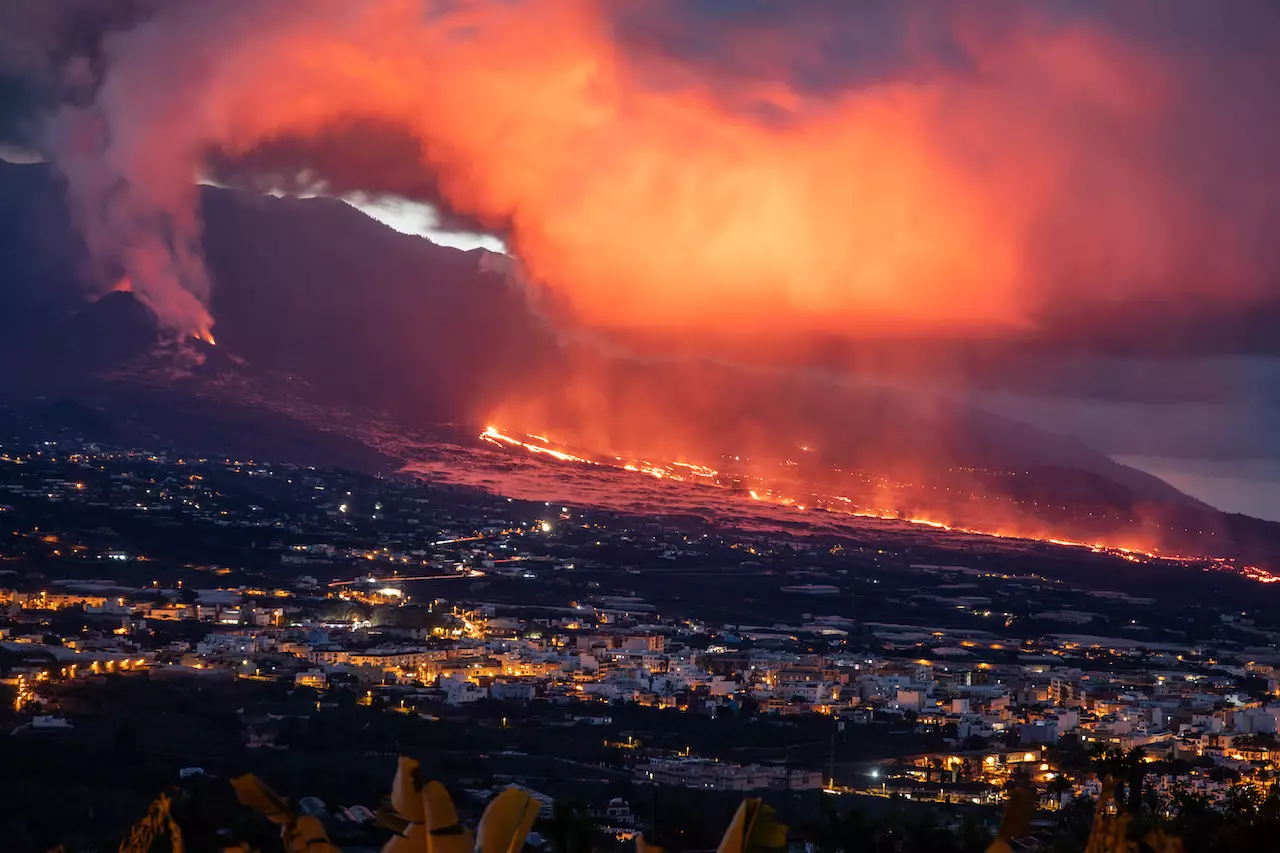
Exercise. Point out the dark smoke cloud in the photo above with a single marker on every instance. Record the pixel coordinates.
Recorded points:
(51, 54)
(1198, 267)
(359, 155)
(1190, 207)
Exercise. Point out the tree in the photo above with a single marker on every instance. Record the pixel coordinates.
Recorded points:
(1072, 826)
(1128, 769)
(1057, 787)
(570, 829)
(1248, 820)
(1135, 771)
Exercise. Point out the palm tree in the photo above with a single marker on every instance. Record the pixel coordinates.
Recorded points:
(1135, 771)
(1128, 770)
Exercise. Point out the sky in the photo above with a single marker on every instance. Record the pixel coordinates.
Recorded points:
(1065, 212)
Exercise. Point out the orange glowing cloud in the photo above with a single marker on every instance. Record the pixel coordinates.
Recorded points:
(661, 202)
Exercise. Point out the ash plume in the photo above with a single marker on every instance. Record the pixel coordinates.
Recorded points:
(1001, 169)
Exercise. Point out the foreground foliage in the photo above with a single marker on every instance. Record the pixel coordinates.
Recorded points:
(422, 818)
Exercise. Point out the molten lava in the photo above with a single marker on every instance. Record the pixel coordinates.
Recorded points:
(775, 493)
(495, 436)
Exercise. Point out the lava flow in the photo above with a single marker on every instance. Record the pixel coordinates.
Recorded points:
(678, 471)
(494, 436)
(777, 494)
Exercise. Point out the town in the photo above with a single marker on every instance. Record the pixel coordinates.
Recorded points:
(615, 659)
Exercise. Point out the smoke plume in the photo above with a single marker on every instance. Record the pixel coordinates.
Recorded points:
(1048, 163)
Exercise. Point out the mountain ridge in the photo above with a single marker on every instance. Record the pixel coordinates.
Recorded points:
(368, 317)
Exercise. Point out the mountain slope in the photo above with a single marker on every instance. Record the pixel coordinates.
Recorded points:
(315, 292)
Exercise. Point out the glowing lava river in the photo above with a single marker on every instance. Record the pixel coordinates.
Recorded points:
(534, 467)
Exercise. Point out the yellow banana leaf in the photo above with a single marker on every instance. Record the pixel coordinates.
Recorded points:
(1159, 842)
(300, 835)
(753, 829)
(1098, 830)
(406, 790)
(407, 800)
(1118, 836)
(506, 822)
(254, 793)
(444, 833)
(143, 834)
(1109, 833)
(734, 840)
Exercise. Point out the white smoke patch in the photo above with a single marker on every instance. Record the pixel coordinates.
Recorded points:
(154, 242)
(19, 155)
(423, 220)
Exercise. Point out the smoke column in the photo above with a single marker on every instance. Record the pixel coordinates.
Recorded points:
(659, 198)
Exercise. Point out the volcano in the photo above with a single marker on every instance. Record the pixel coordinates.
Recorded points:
(321, 309)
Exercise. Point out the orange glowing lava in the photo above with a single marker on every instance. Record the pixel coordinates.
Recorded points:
(1260, 575)
(495, 436)
(770, 493)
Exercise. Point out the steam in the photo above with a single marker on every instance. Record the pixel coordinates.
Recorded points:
(149, 231)
(656, 198)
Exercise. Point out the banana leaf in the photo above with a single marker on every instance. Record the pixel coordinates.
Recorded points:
(754, 829)
(444, 833)
(506, 822)
(255, 794)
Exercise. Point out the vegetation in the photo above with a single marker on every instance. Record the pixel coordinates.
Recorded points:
(421, 818)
